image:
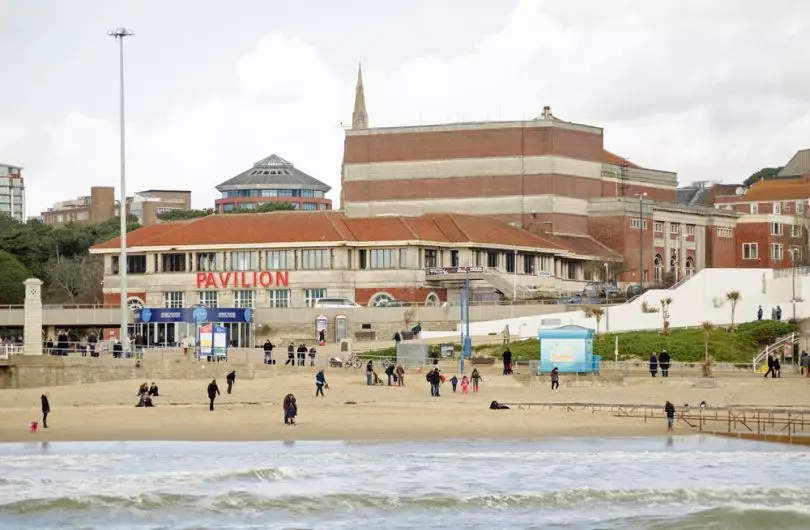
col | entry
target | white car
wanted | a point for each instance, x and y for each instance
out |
(335, 302)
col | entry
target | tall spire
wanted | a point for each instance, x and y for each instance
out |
(359, 116)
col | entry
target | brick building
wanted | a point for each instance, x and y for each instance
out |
(545, 175)
(272, 180)
(102, 205)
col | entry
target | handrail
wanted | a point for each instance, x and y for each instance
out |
(763, 354)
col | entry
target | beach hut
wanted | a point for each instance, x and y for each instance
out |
(568, 348)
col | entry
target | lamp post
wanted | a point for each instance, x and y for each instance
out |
(119, 34)
(641, 242)
(466, 346)
(607, 301)
(793, 252)
(514, 279)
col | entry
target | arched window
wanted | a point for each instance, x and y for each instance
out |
(380, 299)
(690, 266)
(134, 303)
(658, 265)
(673, 263)
(432, 300)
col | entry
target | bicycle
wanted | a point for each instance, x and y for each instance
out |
(353, 362)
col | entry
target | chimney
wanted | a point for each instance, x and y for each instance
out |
(547, 113)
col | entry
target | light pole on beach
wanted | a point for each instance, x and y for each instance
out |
(119, 34)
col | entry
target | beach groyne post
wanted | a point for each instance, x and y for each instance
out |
(32, 317)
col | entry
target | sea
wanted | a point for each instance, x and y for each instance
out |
(689, 482)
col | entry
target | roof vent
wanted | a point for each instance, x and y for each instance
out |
(547, 113)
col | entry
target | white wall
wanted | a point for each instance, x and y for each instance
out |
(700, 299)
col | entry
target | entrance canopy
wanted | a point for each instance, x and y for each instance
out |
(225, 315)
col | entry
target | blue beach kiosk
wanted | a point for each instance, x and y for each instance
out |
(569, 349)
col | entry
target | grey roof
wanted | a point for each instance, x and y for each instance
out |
(798, 165)
(273, 172)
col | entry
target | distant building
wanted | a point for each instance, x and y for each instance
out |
(101, 205)
(273, 180)
(12, 192)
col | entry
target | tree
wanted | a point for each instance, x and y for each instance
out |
(182, 215)
(665, 303)
(12, 275)
(764, 173)
(733, 297)
(707, 327)
(74, 280)
(598, 313)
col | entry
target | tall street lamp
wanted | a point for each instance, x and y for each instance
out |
(119, 34)
(607, 299)
(793, 252)
(641, 242)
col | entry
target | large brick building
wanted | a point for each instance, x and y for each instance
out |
(544, 175)
(102, 205)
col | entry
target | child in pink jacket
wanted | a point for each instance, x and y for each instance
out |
(465, 385)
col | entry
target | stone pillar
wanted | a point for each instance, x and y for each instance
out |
(32, 334)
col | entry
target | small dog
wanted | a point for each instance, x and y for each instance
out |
(34, 426)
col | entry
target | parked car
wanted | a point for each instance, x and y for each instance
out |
(395, 303)
(611, 289)
(591, 289)
(635, 290)
(579, 299)
(335, 302)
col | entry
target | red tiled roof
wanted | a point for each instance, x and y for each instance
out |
(585, 246)
(780, 189)
(314, 227)
(616, 160)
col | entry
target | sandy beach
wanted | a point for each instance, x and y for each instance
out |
(353, 411)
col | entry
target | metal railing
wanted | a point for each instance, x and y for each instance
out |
(773, 348)
(7, 350)
(784, 273)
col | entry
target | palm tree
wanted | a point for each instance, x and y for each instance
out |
(665, 303)
(597, 313)
(733, 297)
(708, 327)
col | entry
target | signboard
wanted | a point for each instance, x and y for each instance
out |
(206, 339)
(454, 270)
(149, 315)
(447, 350)
(242, 280)
(220, 341)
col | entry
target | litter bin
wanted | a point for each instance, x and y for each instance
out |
(597, 361)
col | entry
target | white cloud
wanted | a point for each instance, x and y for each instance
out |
(710, 90)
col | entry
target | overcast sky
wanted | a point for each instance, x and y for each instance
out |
(711, 89)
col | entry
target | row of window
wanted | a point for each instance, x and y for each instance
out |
(256, 194)
(777, 229)
(243, 298)
(778, 207)
(751, 251)
(238, 261)
(307, 206)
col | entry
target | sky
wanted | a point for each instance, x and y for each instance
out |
(713, 90)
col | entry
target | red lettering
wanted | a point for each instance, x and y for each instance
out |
(282, 278)
(210, 280)
(242, 283)
(254, 279)
(266, 279)
(224, 279)
(200, 279)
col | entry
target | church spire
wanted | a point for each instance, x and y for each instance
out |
(359, 116)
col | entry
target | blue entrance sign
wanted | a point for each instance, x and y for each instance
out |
(225, 315)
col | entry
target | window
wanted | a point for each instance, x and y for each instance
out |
(403, 258)
(776, 229)
(384, 258)
(243, 298)
(244, 261)
(174, 262)
(723, 232)
(754, 208)
(635, 222)
(310, 206)
(675, 228)
(690, 230)
(311, 295)
(430, 257)
(173, 299)
(528, 264)
(776, 251)
(135, 264)
(315, 259)
(454, 258)
(795, 254)
(658, 226)
(208, 298)
(750, 251)
(510, 262)
(799, 207)
(278, 298)
(777, 208)
(208, 261)
(278, 259)
(492, 260)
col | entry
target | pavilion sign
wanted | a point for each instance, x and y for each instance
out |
(242, 280)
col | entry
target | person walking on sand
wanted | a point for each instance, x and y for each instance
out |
(663, 360)
(320, 382)
(268, 352)
(669, 408)
(290, 355)
(290, 409)
(653, 364)
(389, 371)
(230, 379)
(213, 392)
(476, 379)
(465, 385)
(454, 383)
(507, 362)
(771, 370)
(777, 368)
(555, 379)
(370, 373)
(400, 373)
(46, 409)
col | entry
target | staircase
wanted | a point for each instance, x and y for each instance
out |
(505, 283)
(777, 348)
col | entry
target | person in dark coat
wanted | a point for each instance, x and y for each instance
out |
(653, 365)
(777, 367)
(320, 382)
(778, 313)
(153, 390)
(290, 409)
(290, 355)
(268, 351)
(118, 350)
(669, 408)
(302, 354)
(213, 392)
(46, 409)
(771, 370)
(507, 362)
(663, 360)
(322, 337)
(389, 371)
(230, 379)
(370, 373)
(759, 313)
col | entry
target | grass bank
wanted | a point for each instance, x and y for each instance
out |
(684, 345)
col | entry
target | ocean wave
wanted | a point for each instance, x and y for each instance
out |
(738, 517)
(791, 500)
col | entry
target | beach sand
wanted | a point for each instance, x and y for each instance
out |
(353, 411)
